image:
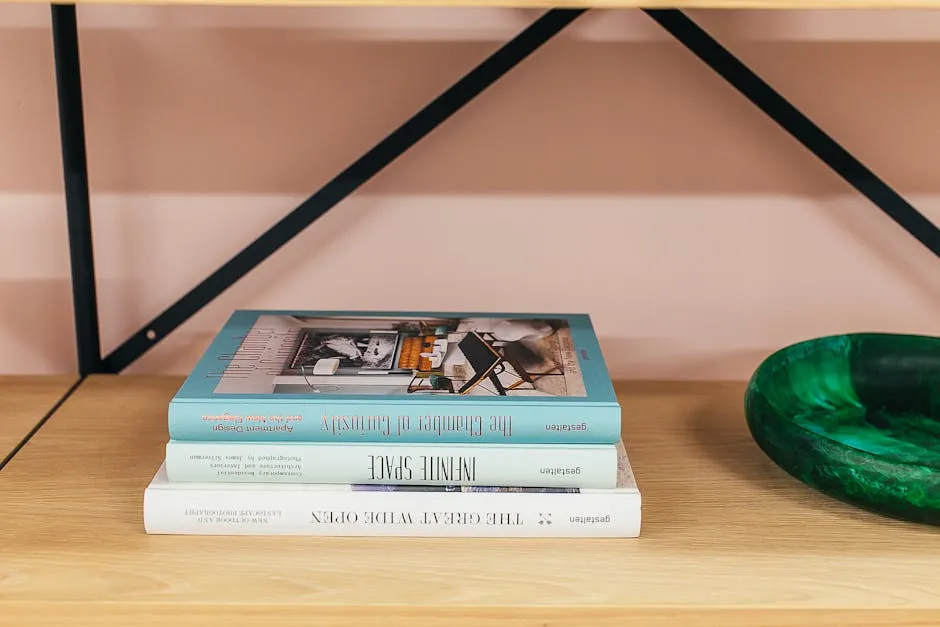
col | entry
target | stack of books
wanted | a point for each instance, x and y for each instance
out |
(402, 424)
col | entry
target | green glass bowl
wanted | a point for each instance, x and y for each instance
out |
(856, 417)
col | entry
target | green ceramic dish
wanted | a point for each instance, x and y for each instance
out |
(857, 417)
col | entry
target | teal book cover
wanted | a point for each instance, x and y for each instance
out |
(362, 376)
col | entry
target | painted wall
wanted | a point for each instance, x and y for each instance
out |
(611, 173)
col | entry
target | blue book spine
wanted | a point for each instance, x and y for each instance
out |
(273, 421)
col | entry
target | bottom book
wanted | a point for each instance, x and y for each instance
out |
(393, 510)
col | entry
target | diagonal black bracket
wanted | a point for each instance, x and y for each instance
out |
(42, 421)
(700, 43)
(813, 138)
(367, 166)
(75, 171)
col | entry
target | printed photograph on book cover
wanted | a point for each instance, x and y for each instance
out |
(404, 355)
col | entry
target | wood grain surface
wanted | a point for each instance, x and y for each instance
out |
(728, 539)
(24, 400)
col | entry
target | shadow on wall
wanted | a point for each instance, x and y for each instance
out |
(36, 326)
(277, 111)
(188, 119)
(911, 261)
(638, 358)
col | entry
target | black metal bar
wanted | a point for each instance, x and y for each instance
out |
(367, 166)
(75, 172)
(755, 89)
(42, 421)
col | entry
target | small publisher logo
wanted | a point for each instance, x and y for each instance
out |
(545, 519)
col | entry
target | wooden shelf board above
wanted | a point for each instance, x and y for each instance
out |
(546, 4)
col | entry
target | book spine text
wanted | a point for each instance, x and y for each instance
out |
(412, 423)
(565, 466)
(428, 514)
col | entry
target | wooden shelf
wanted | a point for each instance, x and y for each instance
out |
(727, 539)
(25, 400)
(547, 4)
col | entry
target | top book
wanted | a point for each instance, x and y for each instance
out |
(359, 376)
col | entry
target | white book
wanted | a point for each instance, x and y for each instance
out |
(194, 508)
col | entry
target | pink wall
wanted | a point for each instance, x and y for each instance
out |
(610, 173)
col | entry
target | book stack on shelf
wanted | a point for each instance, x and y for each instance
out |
(404, 424)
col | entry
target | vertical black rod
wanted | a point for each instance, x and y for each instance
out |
(75, 170)
(800, 127)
